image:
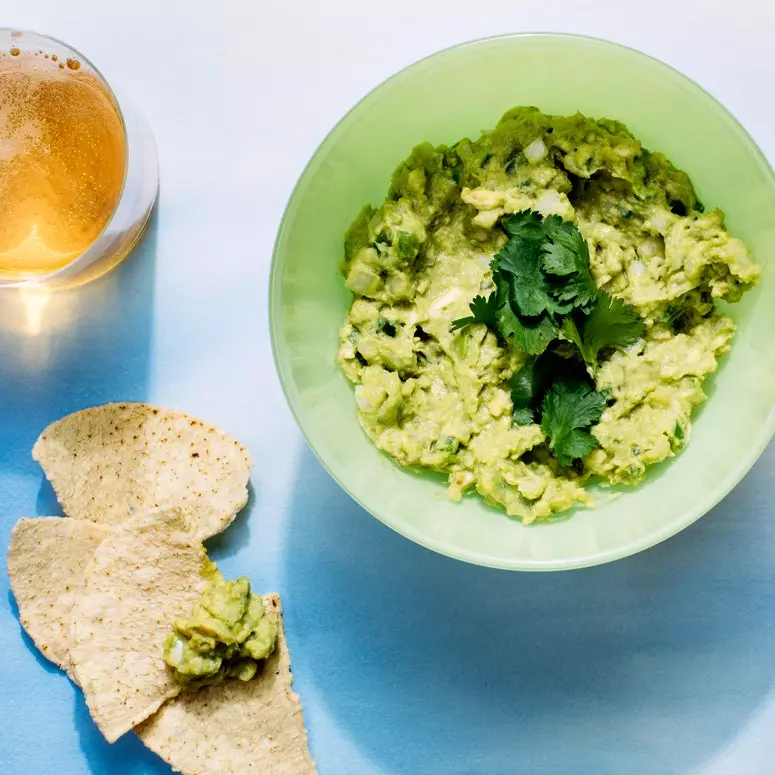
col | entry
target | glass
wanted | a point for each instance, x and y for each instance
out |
(130, 194)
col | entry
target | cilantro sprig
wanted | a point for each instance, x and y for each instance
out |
(519, 264)
(569, 409)
(566, 255)
(527, 386)
(483, 310)
(544, 286)
(544, 291)
(556, 391)
(530, 334)
(610, 323)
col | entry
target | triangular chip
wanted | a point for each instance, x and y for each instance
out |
(110, 460)
(46, 561)
(141, 578)
(236, 727)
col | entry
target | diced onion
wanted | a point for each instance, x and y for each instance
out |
(175, 654)
(362, 400)
(549, 203)
(649, 248)
(535, 151)
(660, 221)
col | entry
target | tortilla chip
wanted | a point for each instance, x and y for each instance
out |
(46, 561)
(236, 727)
(107, 461)
(141, 578)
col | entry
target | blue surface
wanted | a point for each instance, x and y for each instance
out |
(407, 662)
(647, 665)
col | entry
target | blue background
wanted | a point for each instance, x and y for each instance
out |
(406, 662)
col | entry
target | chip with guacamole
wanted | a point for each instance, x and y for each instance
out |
(122, 595)
(234, 721)
(227, 634)
(236, 727)
(536, 310)
(141, 578)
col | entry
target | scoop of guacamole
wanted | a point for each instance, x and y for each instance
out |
(434, 393)
(226, 635)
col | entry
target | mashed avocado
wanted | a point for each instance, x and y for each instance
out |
(225, 636)
(437, 397)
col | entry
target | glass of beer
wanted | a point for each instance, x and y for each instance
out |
(79, 172)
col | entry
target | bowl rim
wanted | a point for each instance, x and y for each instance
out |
(704, 505)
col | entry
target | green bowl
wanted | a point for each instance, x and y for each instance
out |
(457, 93)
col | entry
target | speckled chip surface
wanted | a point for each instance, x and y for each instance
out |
(46, 561)
(109, 461)
(142, 577)
(236, 728)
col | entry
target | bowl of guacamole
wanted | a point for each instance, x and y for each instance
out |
(520, 303)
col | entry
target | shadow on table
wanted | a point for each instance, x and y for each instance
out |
(73, 349)
(59, 353)
(127, 756)
(227, 543)
(650, 664)
(44, 663)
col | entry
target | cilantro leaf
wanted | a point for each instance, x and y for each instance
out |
(565, 248)
(526, 225)
(523, 415)
(611, 323)
(459, 323)
(496, 311)
(572, 333)
(569, 408)
(484, 310)
(520, 260)
(566, 255)
(577, 444)
(527, 385)
(577, 290)
(532, 335)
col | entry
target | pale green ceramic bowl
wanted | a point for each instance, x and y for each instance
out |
(457, 93)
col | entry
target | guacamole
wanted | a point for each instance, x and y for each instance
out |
(226, 635)
(433, 394)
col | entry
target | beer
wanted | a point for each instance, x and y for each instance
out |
(62, 161)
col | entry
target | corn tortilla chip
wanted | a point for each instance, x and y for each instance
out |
(46, 561)
(141, 578)
(108, 461)
(236, 727)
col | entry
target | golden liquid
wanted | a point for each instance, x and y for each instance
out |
(62, 156)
